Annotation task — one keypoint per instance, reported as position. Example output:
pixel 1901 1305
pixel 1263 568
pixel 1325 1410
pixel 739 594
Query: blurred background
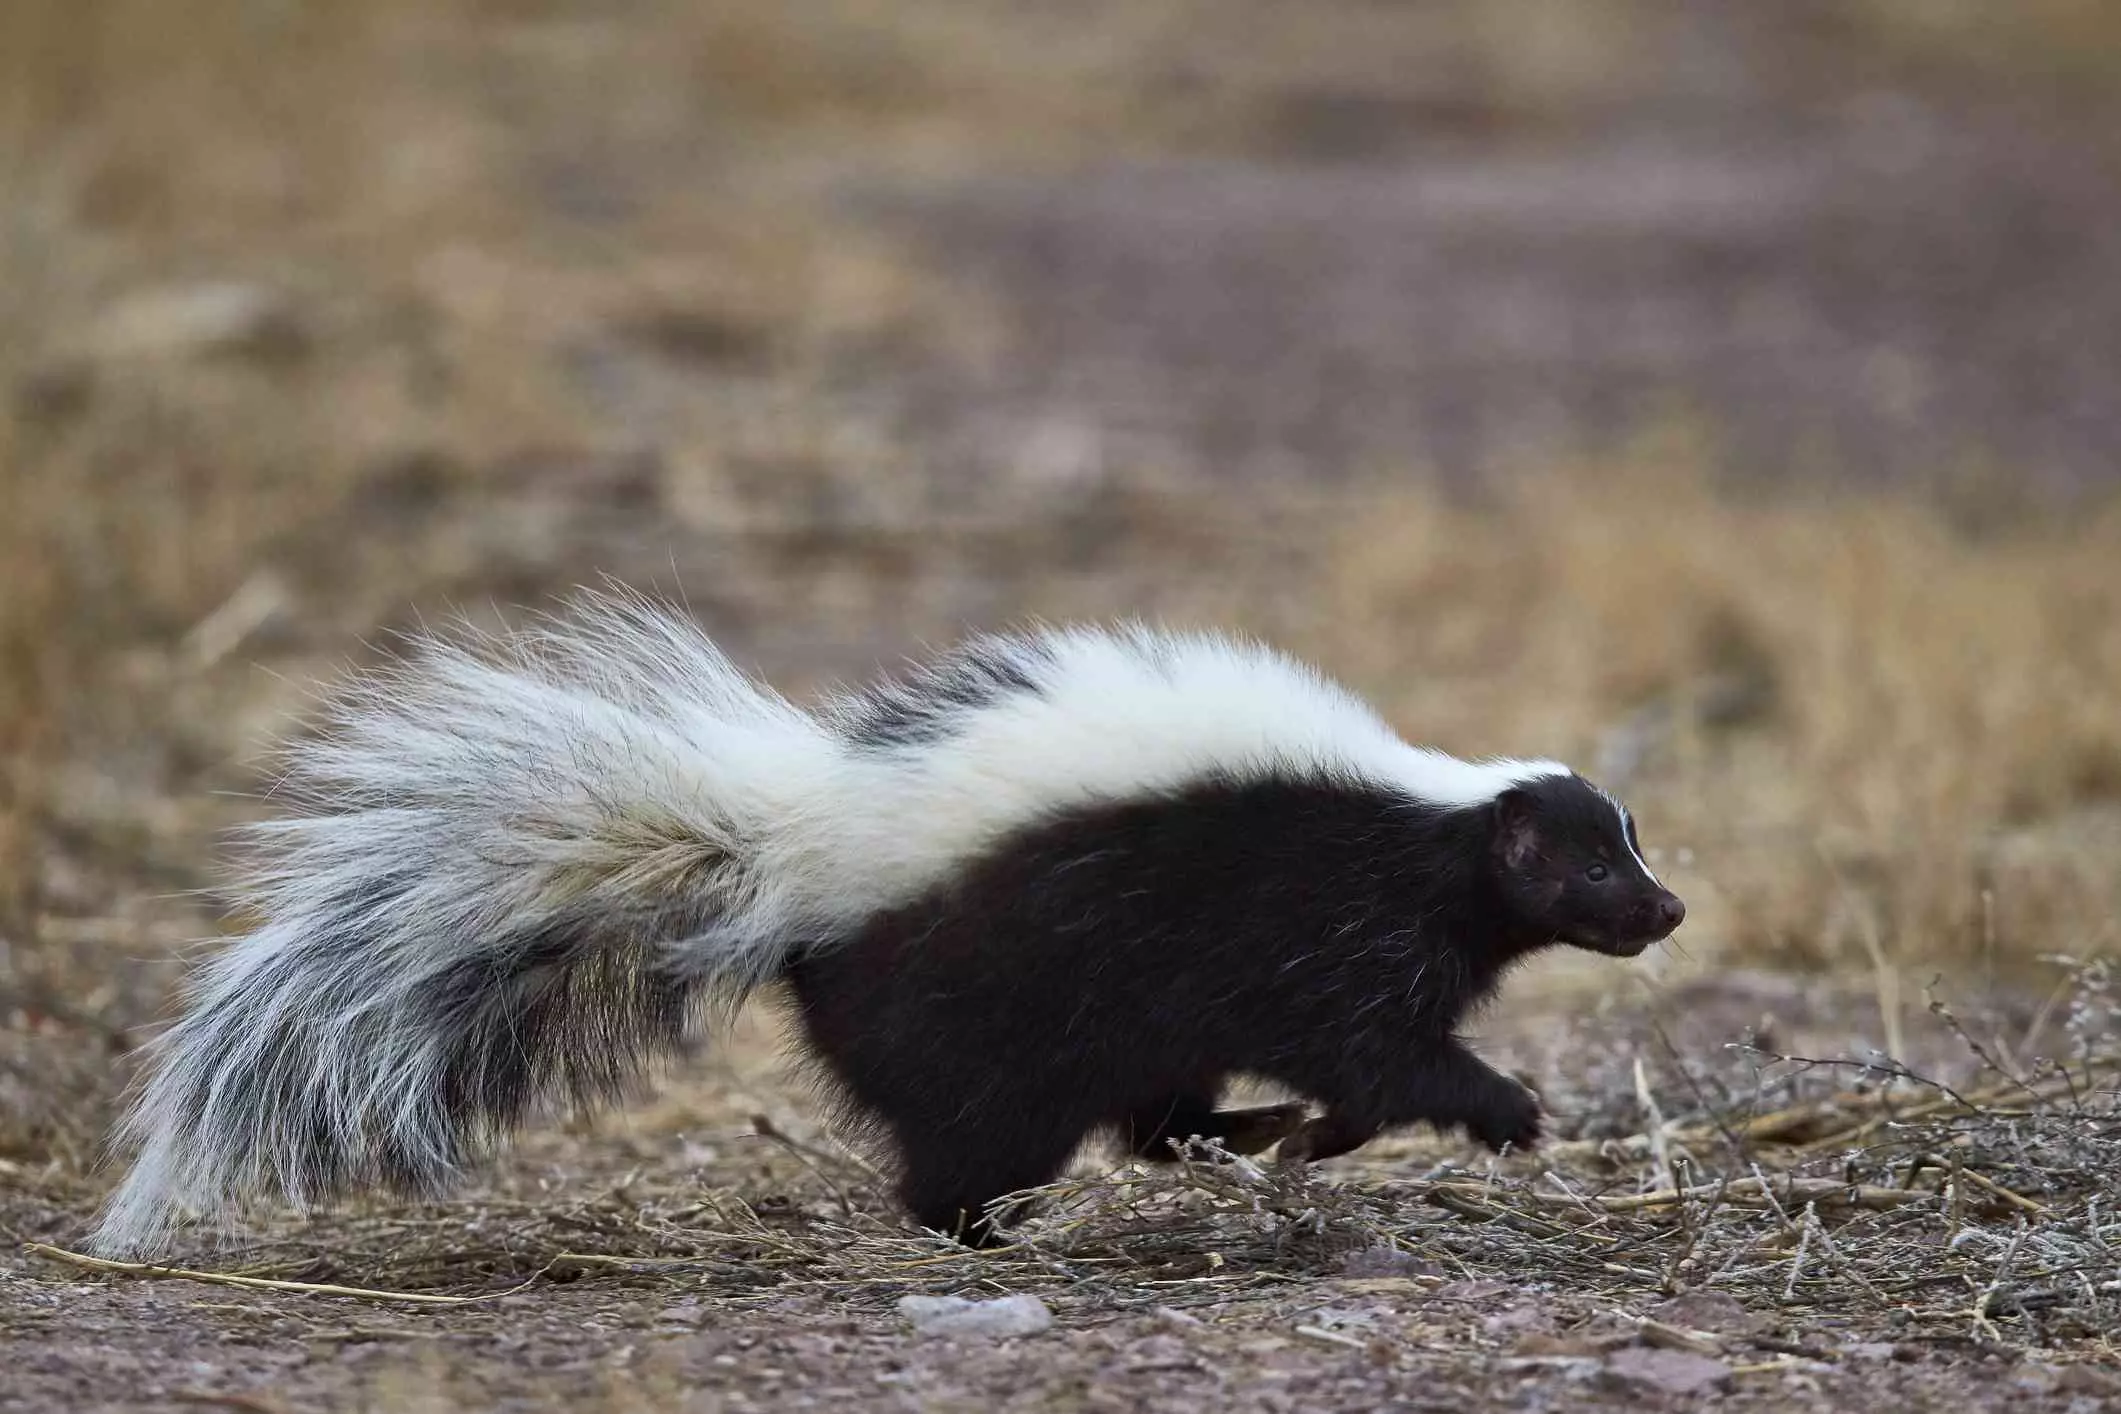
pixel 1718 395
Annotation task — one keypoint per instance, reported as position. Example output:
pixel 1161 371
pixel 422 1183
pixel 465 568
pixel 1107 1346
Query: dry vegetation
pixel 313 318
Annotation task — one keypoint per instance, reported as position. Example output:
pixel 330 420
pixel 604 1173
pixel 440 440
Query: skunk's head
pixel 1569 866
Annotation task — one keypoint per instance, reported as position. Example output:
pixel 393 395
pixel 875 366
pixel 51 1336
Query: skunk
pixel 1049 885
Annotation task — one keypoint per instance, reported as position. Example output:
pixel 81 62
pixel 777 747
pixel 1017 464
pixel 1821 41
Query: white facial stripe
pixel 1627 837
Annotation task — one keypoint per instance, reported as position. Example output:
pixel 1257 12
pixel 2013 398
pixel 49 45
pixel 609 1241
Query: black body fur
pixel 1112 969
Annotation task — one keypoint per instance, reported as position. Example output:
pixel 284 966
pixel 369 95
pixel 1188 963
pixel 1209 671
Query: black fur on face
pixel 1569 864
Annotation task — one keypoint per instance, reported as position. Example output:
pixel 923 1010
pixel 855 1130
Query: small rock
pixel 1869 1351
pixel 1714 1311
pixel 1665 1371
pixel 1174 1319
pixel 959 1318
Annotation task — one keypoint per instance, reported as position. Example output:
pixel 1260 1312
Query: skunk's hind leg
pixel 1328 1137
pixel 1150 1131
pixel 949 1178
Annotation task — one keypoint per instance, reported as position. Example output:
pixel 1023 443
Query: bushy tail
pixel 516 870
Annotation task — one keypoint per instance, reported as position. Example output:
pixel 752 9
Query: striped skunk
pixel 1047 886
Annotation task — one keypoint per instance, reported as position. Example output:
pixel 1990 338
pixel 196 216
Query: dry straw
pixel 1981 1213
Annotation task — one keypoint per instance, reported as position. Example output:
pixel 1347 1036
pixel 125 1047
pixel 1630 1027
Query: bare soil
pixel 675 1259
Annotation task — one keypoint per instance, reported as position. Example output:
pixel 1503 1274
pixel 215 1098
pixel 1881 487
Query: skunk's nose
pixel 1671 912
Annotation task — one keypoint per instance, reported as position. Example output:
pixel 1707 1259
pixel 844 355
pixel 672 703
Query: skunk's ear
pixel 1516 840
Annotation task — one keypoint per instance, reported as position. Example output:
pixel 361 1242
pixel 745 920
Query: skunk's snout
pixel 1651 921
pixel 1671 912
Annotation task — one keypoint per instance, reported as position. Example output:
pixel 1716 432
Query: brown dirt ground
pixel 790 1302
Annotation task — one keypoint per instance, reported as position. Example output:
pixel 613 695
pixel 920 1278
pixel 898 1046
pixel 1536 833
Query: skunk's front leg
pixel 1445 1085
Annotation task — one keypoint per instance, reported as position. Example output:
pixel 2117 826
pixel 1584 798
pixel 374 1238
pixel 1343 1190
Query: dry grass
pixel 1821 1194
pixel 1884 730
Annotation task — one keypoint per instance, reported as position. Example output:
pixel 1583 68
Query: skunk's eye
pixel 1596 873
